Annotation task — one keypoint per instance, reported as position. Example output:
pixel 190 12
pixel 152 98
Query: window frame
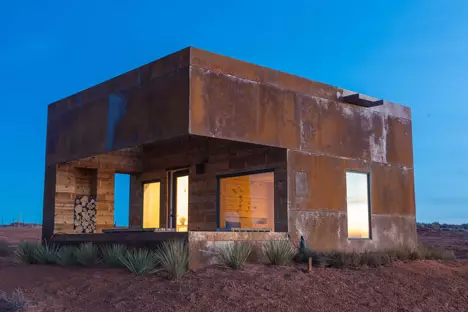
pixel 239 174
pixel 369 204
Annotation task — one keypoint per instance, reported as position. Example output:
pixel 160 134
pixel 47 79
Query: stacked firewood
pixel 85 214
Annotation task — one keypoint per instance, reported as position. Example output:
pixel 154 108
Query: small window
pixel 151 204
pixel 357 200
pixel 246 201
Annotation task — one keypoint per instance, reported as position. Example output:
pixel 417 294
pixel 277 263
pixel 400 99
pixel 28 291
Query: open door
pixel 178 199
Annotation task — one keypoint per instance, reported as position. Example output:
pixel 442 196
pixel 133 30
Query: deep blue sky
pixel 410 52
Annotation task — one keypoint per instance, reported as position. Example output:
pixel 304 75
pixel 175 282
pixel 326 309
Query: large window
pixel 357 199
pixel 247 201
pixel 151 204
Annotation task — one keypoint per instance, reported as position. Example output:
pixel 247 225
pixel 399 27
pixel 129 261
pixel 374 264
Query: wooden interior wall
pixel 91 176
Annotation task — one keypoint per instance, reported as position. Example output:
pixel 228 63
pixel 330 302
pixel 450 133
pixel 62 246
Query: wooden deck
pixel 129 238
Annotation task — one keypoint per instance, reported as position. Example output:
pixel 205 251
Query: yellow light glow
pixel 358 205
pixel 247 201
pixel 182 185
pixel 151 205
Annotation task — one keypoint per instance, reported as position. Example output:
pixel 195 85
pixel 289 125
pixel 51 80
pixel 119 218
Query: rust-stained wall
pixel 324 136
pixel 194 93
pixel 144 105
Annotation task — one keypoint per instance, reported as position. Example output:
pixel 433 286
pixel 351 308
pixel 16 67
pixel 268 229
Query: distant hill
pixel 22 225
pixel 443 226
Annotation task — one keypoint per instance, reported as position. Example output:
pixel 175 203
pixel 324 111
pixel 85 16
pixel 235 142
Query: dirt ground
pixel 415 286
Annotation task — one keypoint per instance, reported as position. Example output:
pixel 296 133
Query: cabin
pixel 221 150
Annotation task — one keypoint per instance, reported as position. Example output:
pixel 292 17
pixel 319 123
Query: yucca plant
pixel 66 256
pixel 46 254
pixel 174 257
pixel 279 252
pixel 87 254
pixel 27 252
pixel 113 254
pixel 234 255
pixel 140 261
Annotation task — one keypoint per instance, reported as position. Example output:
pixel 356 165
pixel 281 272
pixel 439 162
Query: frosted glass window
pixel 247 201
pixel 357 200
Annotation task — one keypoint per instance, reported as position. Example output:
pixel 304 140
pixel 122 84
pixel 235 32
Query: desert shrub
pixel 279 252
pixel 16 302
pixel 87 254
pixel 341 260
pixel 173 257
pixel 113 254
pixel 434 253
pixel 234 255
pixel 4 249
pixel 139 261
pixel 46 254
pixel 27 252
pixel 66 256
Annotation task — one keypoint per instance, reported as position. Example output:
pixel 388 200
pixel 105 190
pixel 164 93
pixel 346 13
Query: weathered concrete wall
pixel 324 136
pixel 220 157
pixel 203 245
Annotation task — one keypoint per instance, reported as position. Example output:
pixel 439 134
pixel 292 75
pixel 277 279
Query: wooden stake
pixel 310 264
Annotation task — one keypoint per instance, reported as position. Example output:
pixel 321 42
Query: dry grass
pixel 15 302
pixel 373 259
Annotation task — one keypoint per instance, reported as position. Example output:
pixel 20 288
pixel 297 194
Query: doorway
pixel 178 190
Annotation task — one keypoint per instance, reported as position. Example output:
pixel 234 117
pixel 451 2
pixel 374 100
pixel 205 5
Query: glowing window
pixel 151 204
pixel 247 201
pixel 357 199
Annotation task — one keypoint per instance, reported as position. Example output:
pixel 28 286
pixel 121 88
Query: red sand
pixel 415 286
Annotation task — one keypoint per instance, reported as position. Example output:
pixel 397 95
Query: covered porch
pixel 188 183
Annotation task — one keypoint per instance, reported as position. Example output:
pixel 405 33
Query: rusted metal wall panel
pixel 327 231
pixel 228 107
pixel 259 74
pixel 392 190
pixel 144 105
pixel 399 143
pixel 317 182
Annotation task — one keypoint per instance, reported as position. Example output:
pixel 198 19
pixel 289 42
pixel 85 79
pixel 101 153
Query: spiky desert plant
pixel 234 255
pixel 27 252
pixel 113 254
pixel 87 254
pixel 173 257
pixel 16 302
pixel 66 256
pixel 140 261
pixel 279 252
pixel 46 254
